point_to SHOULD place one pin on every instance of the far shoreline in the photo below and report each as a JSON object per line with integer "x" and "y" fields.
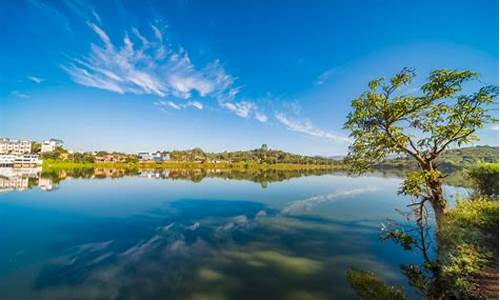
{"x": 61, "y": 164}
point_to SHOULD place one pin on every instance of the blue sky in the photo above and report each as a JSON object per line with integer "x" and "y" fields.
{"x": 221, "y": 75}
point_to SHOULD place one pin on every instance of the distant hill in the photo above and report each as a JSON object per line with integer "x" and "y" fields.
{"x": 450, "y": 160}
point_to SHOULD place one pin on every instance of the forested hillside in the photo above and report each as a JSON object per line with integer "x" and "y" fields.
{"x": 453, "y": 159}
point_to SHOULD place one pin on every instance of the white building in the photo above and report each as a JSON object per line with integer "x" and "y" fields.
{"x": 7, "y": 160}
{"x": 50, "y": 145}
{"x": 10, "y": 160}
{"x": 154, "y": 156}
{"x": 10, "y": 146}
{"x": 27, "y": 160}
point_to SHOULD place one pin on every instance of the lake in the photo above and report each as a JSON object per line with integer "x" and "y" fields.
{"x": 195, "y": 234}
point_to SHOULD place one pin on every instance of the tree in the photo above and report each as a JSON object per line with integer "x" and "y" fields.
{"x": 485, "y": 178}
{"x": 385, "y": 121}
{"x": 36, "y": 148}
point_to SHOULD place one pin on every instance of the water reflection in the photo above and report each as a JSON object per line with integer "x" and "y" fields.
{"x": 20, "y": 179}
{"x": 208, "y": 249}
{"x": 150, "y": 235}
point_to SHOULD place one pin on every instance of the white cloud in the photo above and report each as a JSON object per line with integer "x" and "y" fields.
{"x": 173, "y": 105}
{"x": 323, "y": 77}
{"x": 242, "y": 109}
{"x": 308, "y": 128}
{"x": 494, "y": 127}
{"x": 140, "y": 65}
{"x": 36, "y": 79}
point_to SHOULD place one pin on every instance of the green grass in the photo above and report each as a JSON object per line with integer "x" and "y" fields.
{"x": 469, "y": 236}
{"x": 60, "y": 164}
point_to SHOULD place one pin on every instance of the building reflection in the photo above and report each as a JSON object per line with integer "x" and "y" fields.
{"x": 18, "y": 179}
{"x": 46, "y": 184}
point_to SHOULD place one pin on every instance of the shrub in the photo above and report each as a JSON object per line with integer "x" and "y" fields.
{"x": 485, "y": 178}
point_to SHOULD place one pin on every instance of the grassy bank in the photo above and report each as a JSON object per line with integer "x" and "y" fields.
{"x": 60, "y": 164}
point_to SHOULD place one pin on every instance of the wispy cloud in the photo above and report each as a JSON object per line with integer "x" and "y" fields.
{"x": 145, "y": 65}
{"x": 494, "y": 127}
{"x": 323, "y": 77}
{"x": 194, "y": 104}
{"x": 260, "y": 117}
{"x": 19, "y": 94}
{"x": 308, "y": 128}
{"x": 82, "y": 9}
{"x": 36, "y": 79}
{"x": 310, "y": 203}
{"x": 178, "y": 106}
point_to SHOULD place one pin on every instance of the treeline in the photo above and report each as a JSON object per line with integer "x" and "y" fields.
{"x": 263, "y": 155}
{"x": 61, "y": 154}
{"x": 260, "y": 155}
{"x": 451, "y": 160}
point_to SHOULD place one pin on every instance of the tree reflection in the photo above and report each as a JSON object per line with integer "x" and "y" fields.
{"x": 262, "y": 176}
{"x": 456, "y": 256}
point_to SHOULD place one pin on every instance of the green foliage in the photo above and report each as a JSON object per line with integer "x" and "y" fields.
{"x": 261, "y": 155}
{"x": 195, "y": 154}
{"x": 420, "y": 128}
{"x": 36, "y": 147}
{"x": 58, "y": 153}
{"x": 369, "y": 287}
{"x": 85, "y": 157}
{"x": 469, "y": 235}
{"x": 417, "y": 277}
{"x": 485, "y": 178}
{"x": 479, "y": 214}
{"x": 415, "y": 185}
{"x": 456, "y": 159}
{"x": 384, "y": 122}
{"x": 398, "y": 235}
{"x": 449, "y": 161}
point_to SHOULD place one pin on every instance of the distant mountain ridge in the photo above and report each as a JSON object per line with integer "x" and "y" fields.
{"x": 452, "y": 159}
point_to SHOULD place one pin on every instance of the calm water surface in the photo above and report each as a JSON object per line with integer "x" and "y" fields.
{"x": 147, "y": 236}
